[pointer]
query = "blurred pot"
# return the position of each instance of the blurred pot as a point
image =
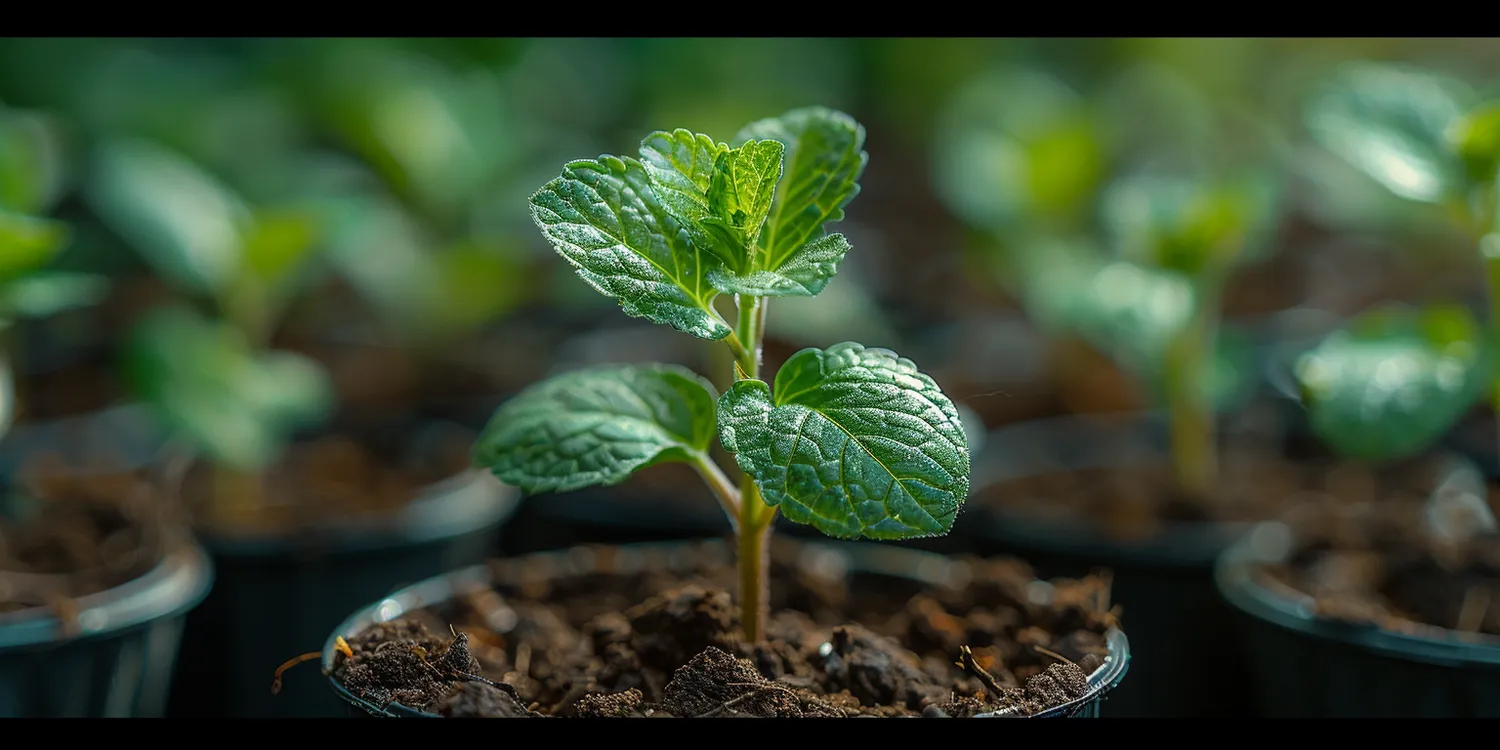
(1306, 666)
(1165, 581)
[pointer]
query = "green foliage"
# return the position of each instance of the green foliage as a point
(1407, 129)
(597, 426)
(1192, 227)
(854, 441)
(205, 379)
(1395, 379)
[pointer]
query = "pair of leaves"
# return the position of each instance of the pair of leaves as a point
(694, 218)
(1414, 132)
(1395, 379)
(30, 182)
(1200, 229)
(853, 441)
(205, 380)
(196, 233)
(1017, 145)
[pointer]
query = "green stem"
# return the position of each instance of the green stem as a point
(1190, 404)
(754, 530)
(723, 489)
(1489, 249)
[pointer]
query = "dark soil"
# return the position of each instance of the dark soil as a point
(69, 535)
(353, 472)
(632, 639)
(1366, 553)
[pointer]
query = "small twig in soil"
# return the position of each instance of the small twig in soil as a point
(967, 662)
(755, 689)
(276, 684)
(343, 647)
(1476, 605)
(523, 658)
(1054, 654)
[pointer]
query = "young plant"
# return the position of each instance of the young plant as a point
(853, 441)
(1423, 138)
(30, 184)
(213, 377)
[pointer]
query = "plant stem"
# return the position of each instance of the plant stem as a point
(1190, 402)
(724, 490)
(754, 529)
(1489, 249)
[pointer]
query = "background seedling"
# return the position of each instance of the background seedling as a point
(851, 440)
(1424, 138)
(204, 365)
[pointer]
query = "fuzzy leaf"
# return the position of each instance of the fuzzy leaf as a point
(1395, 380)
(1392, 124)
(743, 187)
(1190, 228)
(604, 217)
(203, 379)
(598, 426)
(823, 161)
(682, 165)
(804, 274)
(855, 442)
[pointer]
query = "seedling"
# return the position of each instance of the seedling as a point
(30, 184)
(1423, 138)
(853, 441)
(213, 377)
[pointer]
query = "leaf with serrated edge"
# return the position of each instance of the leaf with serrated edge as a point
(743, 187)
(856, 442)
(605, 218)
(824, 160)
(682, 166)
(598, 426)
(805, 274)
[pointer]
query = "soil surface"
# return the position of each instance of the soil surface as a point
(354, 471)
(634, 638)
(1379, 551)
(65, 535)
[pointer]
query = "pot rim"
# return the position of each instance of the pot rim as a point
(173, 587)
(1237, 585)
(866, 557)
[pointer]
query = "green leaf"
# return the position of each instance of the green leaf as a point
(1392, 123)
(46, 293)
(182, 221)
(1395, 380)
(473, 283)
(1476, 138)
(805, 273)
(202, 378)
(278, 241)
(604, 217)
(1186, 226)
(743, 188)
(855, 442)
(823, 161)
(31, 173)
(28, 243)
(598, 426)
(682, 166)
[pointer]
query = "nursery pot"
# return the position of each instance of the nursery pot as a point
(1164, 582)
(278, 593)
(1307, 666)
(119, 660)
(873, 563)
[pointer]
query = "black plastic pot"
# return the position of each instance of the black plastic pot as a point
(856, 560)
(1305, 666)
(119, 663)
(1165, 583)
(278, 596)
